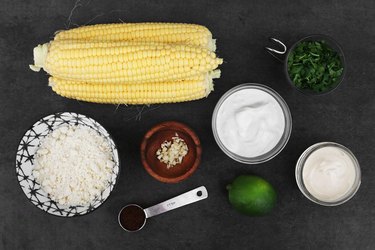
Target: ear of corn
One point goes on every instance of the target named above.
(139, 93)
(181, 33)
(142, 63)
(126, 62)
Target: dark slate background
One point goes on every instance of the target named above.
(241, 27)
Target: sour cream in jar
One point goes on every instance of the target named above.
(328, 173)
(250, 122)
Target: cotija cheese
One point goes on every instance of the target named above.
(73, 164)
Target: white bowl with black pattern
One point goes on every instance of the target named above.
(25, 163)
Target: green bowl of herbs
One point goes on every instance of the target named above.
(315, 64)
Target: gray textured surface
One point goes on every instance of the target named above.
(241, 27)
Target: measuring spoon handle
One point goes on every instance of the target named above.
(187, 198)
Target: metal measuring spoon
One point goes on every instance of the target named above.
(132, 217)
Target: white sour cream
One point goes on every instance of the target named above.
(250, 122)
(329, 173)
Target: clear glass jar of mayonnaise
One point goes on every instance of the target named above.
(328, 174)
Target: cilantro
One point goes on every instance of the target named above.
(314, 65)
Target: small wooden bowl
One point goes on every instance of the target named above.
(151, 143)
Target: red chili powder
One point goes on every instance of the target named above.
(132, 218)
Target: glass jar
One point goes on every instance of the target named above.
(283, 140)
(300, 168)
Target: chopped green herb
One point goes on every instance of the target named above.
(314, 65)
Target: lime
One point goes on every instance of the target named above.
(252, 195)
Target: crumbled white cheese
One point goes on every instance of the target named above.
(73, 164)
(172, 152)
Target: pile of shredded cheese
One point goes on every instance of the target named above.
(172, 152)
(73, 164)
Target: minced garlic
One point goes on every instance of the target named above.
(172, 152)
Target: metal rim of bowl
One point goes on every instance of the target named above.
(334, 45)
(299, 171)
(284, 138)
(117, 177)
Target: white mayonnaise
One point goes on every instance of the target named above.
(329, 173)
(250, 122)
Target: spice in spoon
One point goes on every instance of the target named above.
(132, 218)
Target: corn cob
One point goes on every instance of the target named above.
(122, 62)
(141, 93)
(191, 34)
(142, 63)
